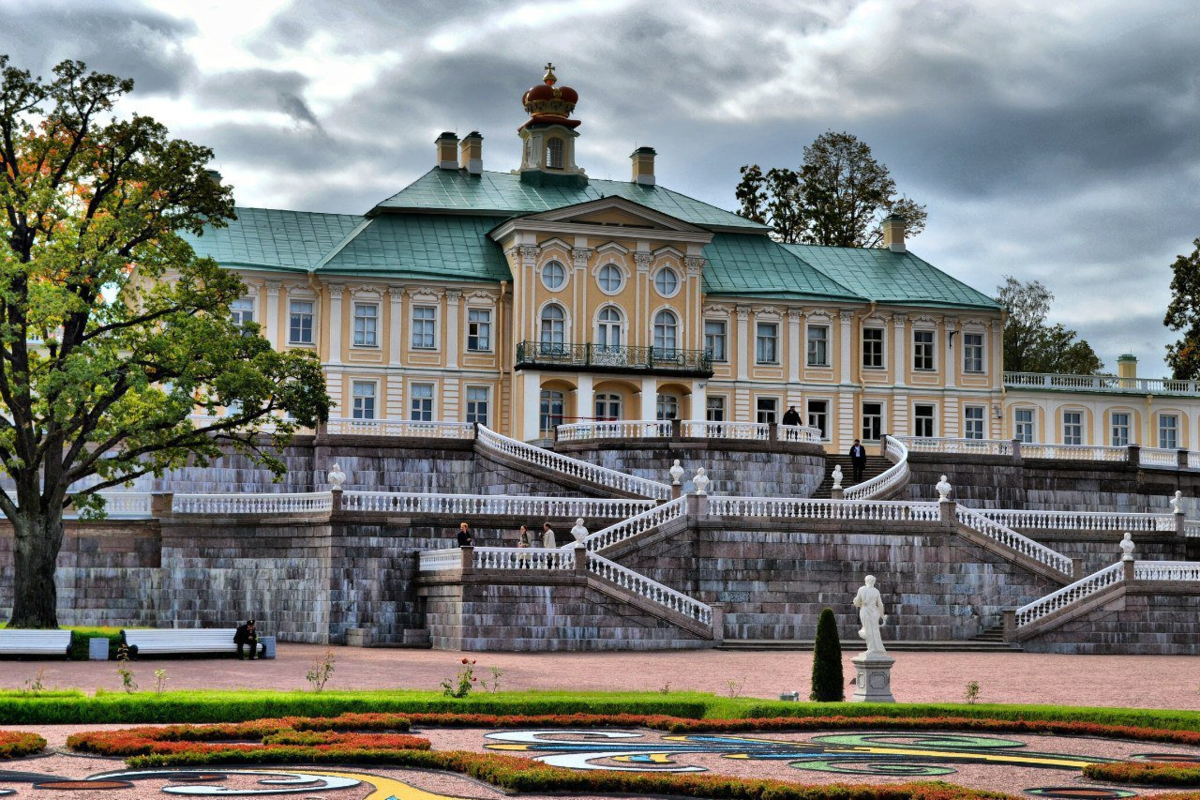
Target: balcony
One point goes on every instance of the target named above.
(601, 358)
(1109, 384)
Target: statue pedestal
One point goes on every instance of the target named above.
(873, 683)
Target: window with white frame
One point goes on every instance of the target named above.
(366, 325)
(1120, 429)
(666, 281)
(479, 330)
(766, 409)
(818, 417)
(666, 406)
(872, 348)
(241, 313)
(608, 328)
(766, 343)
(714, 408)
(300, 321)
(553, 336)
(1023, 427)
(554, 275)
(666, 334)
(872, 421)
(362, 397)
(715, 339)
(610, 278)
(1072, 427)
(608, 406)
(818, 345)
(477, 404)
(424, 328)
(924, 420)
(551, 408)
(923, 350)
(972, 352)
(973, 420)
(420, 396)
(1168, 431)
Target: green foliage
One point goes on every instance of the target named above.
(838, 197)
(125, 671)
(460, 686)
(1033, 345)
(1146, 773)
(972, 693)
(1183, 314)
(827, 678)
(80, 637)
(320, 671)
(112, 330)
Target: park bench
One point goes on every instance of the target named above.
(187, 641)
(14, 642)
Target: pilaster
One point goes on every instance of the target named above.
(335, 323)
(743, 342)
(395, 325)
(453, 302)
(272, 320)
(899, 335)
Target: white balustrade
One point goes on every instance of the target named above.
(524, 558)
(974, 447)
(1158, 457)
(618, 429)
(121, 505)
(799, 433)
(737, 431)
(1075, 452)
(1101, 383)
(628, 528)
(998, 532)
(1175, 571)
(570, 467)
(850, 510)
(1073, 593)
(276, 503)
(440, 560)
(887, 481)
(652, 590)
(401, 428)
(540, 508)
(1080, 520)
(1193, 459)
(1191, 530)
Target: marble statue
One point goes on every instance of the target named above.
(336, 478)
(579, 532)
(871, 614)
(701, 481)
(1126, 546)
(676, 471)
(837, 476)
(1177, 503)
(943, 489)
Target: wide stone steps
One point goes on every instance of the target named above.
(875, 466)
(967, 646)
(992, 634)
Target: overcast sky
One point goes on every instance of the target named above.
(1050, 140)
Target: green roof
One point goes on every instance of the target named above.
(503, 193)
(421, 246)
(887, 277)
(755, 266)
(267, 238)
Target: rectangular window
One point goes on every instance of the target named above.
(714, 410)
(714, 339)
(477, 404)
(366, 325)
(818, 345)
(1168, 431)
(1023, 431)
(363, 399)
(872, 421)
(872, 348)
(424, 328)
(479, 330)
(973, 422)
(300, 322)
(421, 402)
(241, 312)
(1072, 427)
(666, 406)
(923, 350)
(1120, 430)
(818, 417)
(767, 409)
(766, 349)
(972, 352)
(924, 421)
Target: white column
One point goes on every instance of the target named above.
(899, 334)
(532, 389)
(335, 323)
(845, 346)
(583, 398)
(395, 321)
(743, 342)
(952, 356)
(453, 300)
(649, 398)
(699, 399)
(274, 335)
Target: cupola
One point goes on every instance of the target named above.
(548, 136)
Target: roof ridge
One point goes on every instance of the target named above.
(295, 211)
(337, 248)
(809, 264)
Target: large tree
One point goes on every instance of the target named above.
(839, 196)
(1183, 314)
(1033, 345)
(113, 333)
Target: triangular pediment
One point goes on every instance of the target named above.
(615, 212)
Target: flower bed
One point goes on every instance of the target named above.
(1149, 773)
(16, 745)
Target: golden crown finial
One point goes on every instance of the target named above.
(549, 78)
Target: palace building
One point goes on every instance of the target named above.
(530, 297)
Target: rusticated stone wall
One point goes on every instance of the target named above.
(1142, 622)
(1098, 549)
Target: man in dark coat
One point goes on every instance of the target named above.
(465, 539)
(791, 416)
(858, 460)
(247, 635)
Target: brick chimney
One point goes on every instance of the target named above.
(447, 144)
(470, 153)
(893, 233)
(643, 165)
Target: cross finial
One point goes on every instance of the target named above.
(549, 78)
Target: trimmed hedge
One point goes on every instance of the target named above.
(15, 744)
(1149, 773)
(80, 637)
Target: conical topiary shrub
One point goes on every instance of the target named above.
(827, 662)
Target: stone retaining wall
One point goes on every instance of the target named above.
(1141, 622)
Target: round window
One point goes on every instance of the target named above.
(554, 275)
(610, 278)
(666, 281)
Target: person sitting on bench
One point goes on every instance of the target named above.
(247, 635)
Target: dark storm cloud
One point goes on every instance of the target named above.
(258, 89)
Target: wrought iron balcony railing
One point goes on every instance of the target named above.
(602, 357)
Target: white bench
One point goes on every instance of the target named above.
(184, 641)
(15, 642)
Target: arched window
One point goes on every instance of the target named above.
(553, 337)
(554, 153)
(608, 329)
(666, 334)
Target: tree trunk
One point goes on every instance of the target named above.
(39, 536)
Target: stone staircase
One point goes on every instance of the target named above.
(875, 466)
